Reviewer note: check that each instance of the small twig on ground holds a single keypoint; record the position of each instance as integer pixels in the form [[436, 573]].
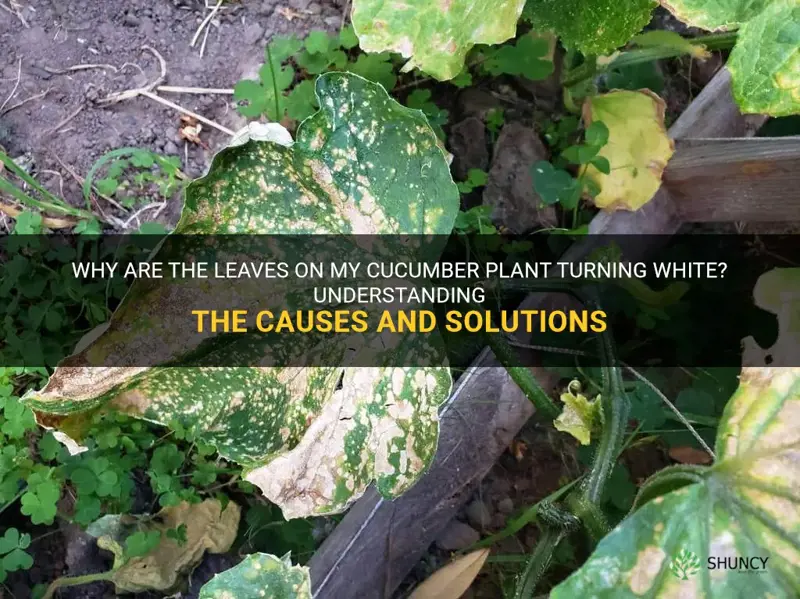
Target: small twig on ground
[[147, 91], [14, 10], [25, 101], [66, 120], [80, 180], [80, 67], [16, 85], [135, 216], [200, 118], [176, 89], [205, 23], [60, 180], [205, 39], [344, 15], [132, 93]]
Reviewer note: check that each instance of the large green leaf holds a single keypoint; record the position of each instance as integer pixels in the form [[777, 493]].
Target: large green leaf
[[362, 164], [765, 63], [260, 575], [435, 34], [591, 26], [746, 506]]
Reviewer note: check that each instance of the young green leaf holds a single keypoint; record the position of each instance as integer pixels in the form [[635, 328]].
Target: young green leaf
[[375, 67], [141, 543], [528, 58], [555, 185], [13, 556], [579, 417], [40, 498]]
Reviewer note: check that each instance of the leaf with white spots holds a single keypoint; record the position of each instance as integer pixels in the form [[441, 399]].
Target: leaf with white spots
[[765, 63], [745, 506], [591, 26], [260, 575], [434, 34], [364, 164]]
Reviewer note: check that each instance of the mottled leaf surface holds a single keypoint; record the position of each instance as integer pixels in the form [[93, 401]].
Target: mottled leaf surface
[[591, 26], [260, 575], [746, 505], [363, 164], [765, 63], [638, 147], [434, 34], [777, 291]]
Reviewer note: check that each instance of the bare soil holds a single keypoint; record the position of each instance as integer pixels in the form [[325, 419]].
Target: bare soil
[[61, 34]]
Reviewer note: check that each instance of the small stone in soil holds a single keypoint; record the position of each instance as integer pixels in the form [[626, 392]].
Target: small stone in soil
[[478, 514], [457, 535], [505, 506], [131, 20]]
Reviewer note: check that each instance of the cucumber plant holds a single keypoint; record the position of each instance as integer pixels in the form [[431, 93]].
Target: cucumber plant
[[680, 515]]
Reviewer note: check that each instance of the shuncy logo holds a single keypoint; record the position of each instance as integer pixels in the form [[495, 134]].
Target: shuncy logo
[[686, 564]]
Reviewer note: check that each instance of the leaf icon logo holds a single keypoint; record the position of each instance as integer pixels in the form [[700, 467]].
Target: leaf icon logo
[[685, 565]]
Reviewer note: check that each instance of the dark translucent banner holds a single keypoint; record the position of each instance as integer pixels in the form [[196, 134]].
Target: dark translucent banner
[[207, 301]]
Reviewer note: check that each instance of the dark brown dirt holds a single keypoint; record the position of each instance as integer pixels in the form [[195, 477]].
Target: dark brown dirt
[[65, 33]]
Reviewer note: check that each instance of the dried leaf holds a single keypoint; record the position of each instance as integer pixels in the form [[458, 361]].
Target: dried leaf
[[454, 579], [208, 528], [689, 455]]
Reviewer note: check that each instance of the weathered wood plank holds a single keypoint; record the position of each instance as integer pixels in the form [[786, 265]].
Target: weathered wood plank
[[378, 541], [717, 180]]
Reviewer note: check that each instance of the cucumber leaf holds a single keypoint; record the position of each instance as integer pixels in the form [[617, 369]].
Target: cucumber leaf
[[765, 63], [591, 26], [745, 506], [364, 164], [434, 35], [260, 575], [638, 147]]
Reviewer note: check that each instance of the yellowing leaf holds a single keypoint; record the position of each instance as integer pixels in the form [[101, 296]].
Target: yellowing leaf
[[208, 528], [579, 417], [454, 579], [638, 147]]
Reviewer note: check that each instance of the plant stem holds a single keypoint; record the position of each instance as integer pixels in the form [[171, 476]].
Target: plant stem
[[13, 500], [71, 581], [588, 70], [274, 85], [538, 563], [522, 376], [29, 201]]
